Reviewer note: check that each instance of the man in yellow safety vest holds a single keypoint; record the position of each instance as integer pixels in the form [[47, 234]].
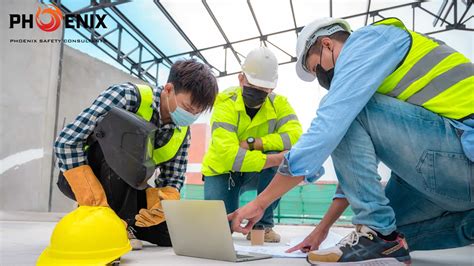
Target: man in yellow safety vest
[[251, 127], [95, 171]]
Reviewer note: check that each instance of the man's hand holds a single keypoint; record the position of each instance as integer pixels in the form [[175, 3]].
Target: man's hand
[[153, 214], [312, 241], [244, 144], [87, 189], [147, 218], [252, 212], [274, 159]]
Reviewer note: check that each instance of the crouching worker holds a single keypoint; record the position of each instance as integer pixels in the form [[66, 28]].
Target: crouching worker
[[109, 152], [251, 127]]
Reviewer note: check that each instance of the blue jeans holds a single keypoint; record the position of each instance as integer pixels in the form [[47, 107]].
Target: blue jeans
[[229, 187], [430, 195]]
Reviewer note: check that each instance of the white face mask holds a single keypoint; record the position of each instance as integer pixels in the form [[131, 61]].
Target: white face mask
[[180, 116]]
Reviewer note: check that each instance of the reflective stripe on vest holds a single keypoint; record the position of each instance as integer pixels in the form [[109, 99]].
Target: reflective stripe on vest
[[275, 122], [273, 126], [432, 75], [145, 110]]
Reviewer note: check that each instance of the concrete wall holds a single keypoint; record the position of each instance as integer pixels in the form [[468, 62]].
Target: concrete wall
[[29, 76], [83, 78], [28, 85]]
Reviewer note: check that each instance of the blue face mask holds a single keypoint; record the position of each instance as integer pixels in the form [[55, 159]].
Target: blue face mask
[[181, 117]]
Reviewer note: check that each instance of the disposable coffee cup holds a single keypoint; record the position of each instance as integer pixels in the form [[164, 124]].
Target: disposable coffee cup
[[257, 235]]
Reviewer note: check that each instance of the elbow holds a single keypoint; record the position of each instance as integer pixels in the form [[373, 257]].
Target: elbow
[[58, 146]]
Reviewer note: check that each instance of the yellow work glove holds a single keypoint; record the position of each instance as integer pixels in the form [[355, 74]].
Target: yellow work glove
[[86, 187], [153, 214]]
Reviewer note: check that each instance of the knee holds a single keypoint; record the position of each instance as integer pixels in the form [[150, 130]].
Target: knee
[[375, 107], [467, 227]]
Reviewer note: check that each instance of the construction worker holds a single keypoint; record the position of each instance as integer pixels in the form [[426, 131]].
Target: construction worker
[[394, 96], [107, 174], [251, 127]]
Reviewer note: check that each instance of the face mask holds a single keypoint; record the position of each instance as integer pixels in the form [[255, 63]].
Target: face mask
[[253, 97], [180, 116], [324, 76]]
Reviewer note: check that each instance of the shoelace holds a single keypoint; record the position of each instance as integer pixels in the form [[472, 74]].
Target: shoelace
[[352, 239]]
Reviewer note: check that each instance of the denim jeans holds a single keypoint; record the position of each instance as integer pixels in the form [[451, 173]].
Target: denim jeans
[[229, 187], [430, 195]]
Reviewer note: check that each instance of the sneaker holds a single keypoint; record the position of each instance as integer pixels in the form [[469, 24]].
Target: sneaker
[[134, 242], [363, 247], [270, 236]]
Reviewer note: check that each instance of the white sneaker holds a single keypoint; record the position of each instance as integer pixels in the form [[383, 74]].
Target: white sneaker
[[134, 242]]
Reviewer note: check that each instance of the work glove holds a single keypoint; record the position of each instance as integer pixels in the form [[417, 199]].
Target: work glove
[[153, 214], [86, 187]]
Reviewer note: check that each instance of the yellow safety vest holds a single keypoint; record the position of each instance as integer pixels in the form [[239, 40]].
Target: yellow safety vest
[[145, 110], [432, 75], [276, 124]]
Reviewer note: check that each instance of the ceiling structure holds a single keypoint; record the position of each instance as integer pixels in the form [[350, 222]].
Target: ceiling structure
[[219, 33]]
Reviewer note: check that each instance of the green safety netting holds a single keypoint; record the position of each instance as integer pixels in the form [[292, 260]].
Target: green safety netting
[[301, 205]]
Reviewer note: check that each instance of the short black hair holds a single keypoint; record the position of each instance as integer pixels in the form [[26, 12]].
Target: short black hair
[[340, 36], [196, 78]]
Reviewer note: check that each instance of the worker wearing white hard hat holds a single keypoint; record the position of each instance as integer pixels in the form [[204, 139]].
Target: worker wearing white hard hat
[[308, 36], [251, 128], [395, 96]]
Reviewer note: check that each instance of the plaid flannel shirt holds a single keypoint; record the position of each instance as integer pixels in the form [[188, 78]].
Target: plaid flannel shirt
[[69, 146]]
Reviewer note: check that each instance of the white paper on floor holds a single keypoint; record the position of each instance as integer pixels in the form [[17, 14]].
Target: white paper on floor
[[278, 251]]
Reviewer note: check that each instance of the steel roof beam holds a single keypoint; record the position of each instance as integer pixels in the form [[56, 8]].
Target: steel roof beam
[[262, 38], [228, 43], [140, 34], [196, 51], [94, 6]]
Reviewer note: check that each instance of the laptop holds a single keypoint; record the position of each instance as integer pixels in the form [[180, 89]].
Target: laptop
[[199, 228]]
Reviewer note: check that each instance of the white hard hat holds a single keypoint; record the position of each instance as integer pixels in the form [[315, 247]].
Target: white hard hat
[[261, 68], [309, 35]]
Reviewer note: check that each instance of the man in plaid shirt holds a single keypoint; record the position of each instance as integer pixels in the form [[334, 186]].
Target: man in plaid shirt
[[86, 177]]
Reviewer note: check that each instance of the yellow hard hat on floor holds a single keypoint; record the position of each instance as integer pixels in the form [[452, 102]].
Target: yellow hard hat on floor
[[87, 236]]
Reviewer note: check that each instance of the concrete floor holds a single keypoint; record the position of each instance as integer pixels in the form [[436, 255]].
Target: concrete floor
[[25, 235]]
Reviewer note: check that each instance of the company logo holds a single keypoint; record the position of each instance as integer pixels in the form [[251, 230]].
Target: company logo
[[49, 17], [55, 16]]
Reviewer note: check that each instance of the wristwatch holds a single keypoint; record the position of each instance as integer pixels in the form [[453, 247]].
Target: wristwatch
[[250, 142]]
